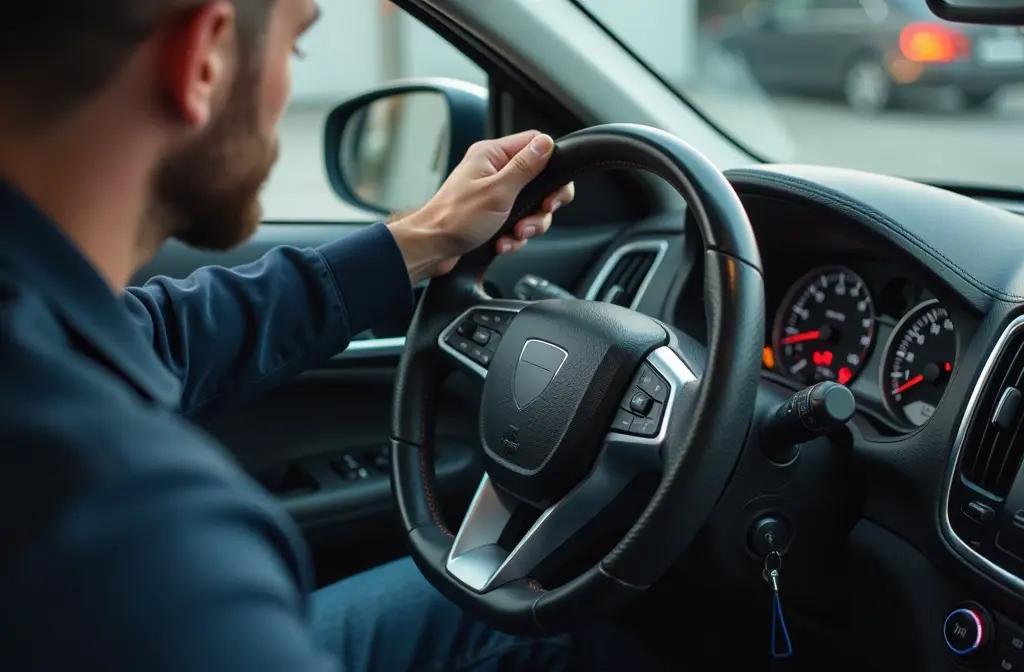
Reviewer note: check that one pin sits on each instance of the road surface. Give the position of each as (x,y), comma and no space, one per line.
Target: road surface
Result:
(984,147)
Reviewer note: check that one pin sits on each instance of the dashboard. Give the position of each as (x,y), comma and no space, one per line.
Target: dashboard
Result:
(913,298)
(845,309)
(861,321)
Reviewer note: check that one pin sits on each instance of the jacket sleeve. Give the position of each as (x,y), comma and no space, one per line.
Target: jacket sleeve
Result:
(166,572)
(232,333)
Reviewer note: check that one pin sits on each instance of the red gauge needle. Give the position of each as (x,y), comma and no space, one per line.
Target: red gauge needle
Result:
(800,338)
(909,384)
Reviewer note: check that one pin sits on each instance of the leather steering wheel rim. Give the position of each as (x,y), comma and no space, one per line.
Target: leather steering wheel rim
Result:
(700,441)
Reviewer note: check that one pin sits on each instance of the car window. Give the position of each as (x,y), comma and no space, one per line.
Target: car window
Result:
(837,5)
(916,8)
(357,45)
(886,88)
(791,9)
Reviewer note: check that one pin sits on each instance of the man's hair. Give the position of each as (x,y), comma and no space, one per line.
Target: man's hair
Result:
(56,54)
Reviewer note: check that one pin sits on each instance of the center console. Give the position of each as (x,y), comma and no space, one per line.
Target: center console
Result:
(979,638)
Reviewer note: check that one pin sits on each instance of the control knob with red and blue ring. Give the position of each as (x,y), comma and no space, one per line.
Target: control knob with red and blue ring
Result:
(967,631)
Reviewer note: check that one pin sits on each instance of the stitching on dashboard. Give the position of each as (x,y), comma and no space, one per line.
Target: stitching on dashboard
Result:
(838,200)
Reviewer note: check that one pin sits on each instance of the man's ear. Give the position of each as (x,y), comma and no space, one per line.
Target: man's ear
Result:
(197,59)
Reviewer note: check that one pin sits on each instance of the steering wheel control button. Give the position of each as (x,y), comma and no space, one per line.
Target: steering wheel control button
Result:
(481,356)
(983,513)
(493,319)
(644,427)
(767,534)
(965,631)
(476,342)
(461,345)
(623,421)
(640,403)
(652,384)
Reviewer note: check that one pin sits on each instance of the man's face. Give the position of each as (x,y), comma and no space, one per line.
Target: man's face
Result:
(207,192)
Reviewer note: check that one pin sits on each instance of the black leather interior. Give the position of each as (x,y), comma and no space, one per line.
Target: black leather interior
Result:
(904,577)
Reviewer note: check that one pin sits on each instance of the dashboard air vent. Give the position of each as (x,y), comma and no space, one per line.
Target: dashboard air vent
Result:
(627,273)
(994,443)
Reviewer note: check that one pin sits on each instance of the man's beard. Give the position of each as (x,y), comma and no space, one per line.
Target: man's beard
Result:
(206,194)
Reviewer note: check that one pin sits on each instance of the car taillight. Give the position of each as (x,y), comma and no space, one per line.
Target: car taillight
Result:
(933,43)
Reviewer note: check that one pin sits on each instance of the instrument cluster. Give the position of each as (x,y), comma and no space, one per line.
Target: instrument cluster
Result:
(886,338)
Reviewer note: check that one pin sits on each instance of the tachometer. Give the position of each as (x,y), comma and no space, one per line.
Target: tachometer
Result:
(917,362)
(825,327)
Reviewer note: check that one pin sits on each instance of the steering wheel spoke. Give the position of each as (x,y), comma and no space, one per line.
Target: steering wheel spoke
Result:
(479,560)
(472,339)
(483,557)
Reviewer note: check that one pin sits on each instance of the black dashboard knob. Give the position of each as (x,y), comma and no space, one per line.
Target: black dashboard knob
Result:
(967,630)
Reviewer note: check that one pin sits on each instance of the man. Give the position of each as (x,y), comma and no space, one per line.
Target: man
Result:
(130,541)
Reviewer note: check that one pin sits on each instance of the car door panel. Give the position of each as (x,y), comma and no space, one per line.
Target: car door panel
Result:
(308,440)
(561,256)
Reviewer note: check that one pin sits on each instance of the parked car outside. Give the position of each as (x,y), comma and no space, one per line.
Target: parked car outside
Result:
(870,53)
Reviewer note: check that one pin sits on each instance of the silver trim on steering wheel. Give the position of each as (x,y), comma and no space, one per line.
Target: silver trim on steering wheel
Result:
(481,564)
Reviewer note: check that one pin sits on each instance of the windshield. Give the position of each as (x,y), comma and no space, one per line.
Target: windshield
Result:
(879,85)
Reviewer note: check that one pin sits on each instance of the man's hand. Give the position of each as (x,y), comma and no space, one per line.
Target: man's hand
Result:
(475,201)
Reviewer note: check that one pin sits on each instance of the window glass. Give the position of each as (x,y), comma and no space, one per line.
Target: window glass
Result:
(889,88)
(356,45)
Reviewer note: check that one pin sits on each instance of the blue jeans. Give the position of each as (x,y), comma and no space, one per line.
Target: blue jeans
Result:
(390,619)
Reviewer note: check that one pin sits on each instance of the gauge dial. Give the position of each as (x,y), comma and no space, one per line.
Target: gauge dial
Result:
(825,327)
(918,362)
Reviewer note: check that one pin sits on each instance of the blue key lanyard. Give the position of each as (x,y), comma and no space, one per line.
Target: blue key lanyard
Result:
(781,646)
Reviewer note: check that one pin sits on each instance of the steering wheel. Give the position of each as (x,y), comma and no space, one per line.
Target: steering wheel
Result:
(579,399)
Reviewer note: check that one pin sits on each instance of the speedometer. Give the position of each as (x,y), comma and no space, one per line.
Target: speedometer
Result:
(918,362)
(825,327)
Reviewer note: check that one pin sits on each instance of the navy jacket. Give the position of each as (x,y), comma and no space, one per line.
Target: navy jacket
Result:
(130,540)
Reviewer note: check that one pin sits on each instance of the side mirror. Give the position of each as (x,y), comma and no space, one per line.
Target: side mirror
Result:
(991,12)
(390,149)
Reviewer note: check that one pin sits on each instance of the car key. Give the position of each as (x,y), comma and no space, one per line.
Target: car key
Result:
(782,647)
